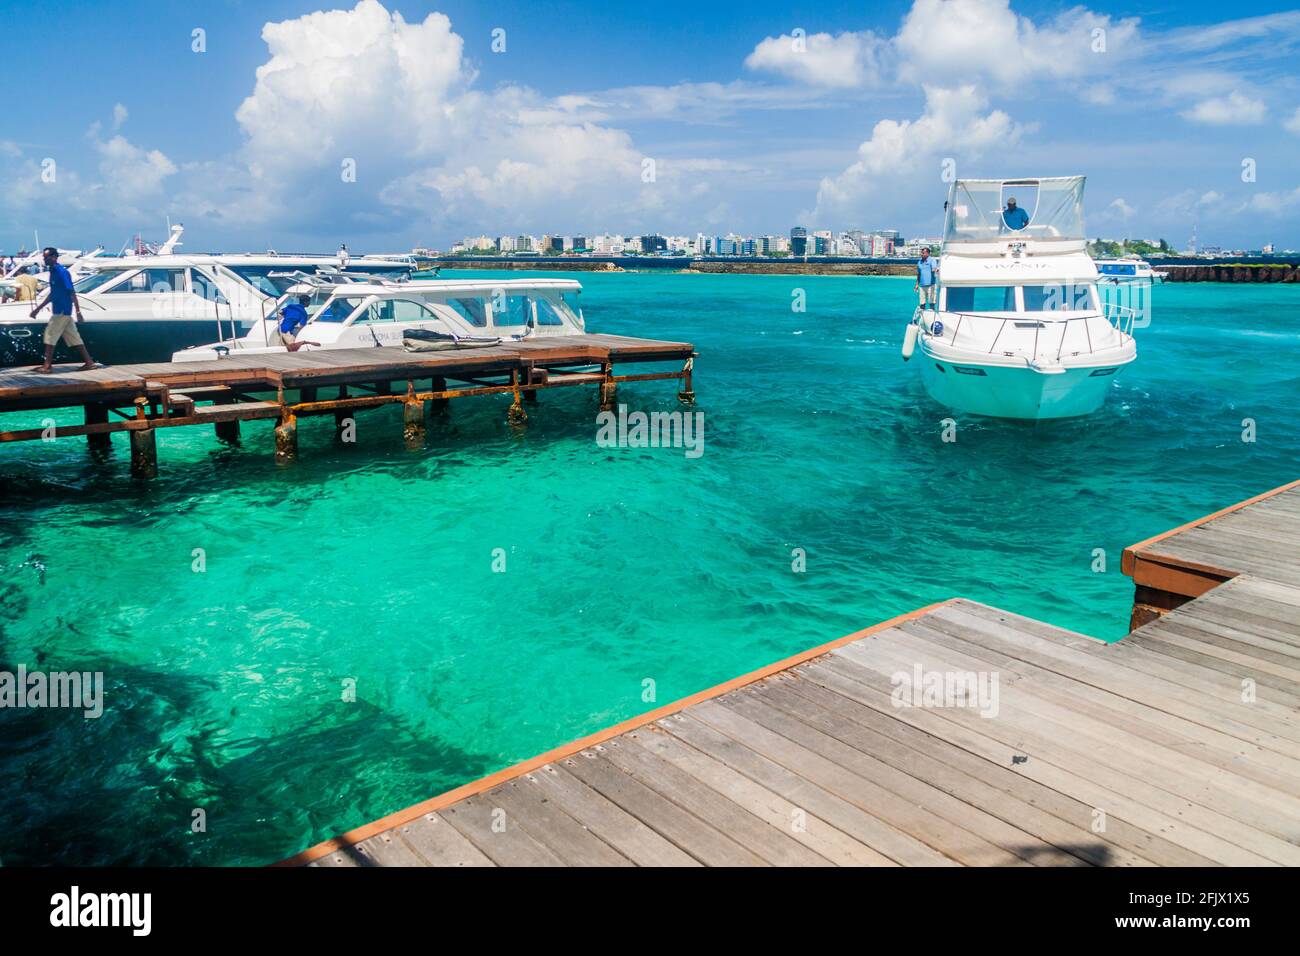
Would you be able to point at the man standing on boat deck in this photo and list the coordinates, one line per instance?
(62, 299)
(292, 318)
(1015, 217)
(927, 279)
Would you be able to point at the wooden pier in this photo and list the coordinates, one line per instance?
(140, 399)
(1177, 746)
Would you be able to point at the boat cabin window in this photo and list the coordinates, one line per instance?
(548, 314)
(154, 280)
(995, 298)
(97, 280)
(511, 310)
(570, 300)
(1067, 297)
(260, 278)
(407, 310)
(201, 284)
(339, 309)
(471, 310)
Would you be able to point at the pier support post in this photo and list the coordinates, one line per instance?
(516, 415)
(98, 415)
(345, 423)
(439, 405)
(286, 438)
(144, 453)
(687, 394)
(536, 376)
(608, 390)
(412, 418)
(228, 431)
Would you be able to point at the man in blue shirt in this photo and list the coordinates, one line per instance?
(927, 279)
(62, 299)
(1015, 217)
(292, 318)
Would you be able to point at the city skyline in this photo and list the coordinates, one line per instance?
(413, 123)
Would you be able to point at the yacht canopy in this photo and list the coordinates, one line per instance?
(975, 209)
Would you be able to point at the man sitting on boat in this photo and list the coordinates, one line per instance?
(1015, 217)
(292, 318)
(927, 279)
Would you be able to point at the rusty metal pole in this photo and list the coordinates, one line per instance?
(286, 437)
(412, 418)
(516, 415)
(144, 446)
(608, 388)
(687, 394)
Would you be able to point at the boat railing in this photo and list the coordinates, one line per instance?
(1119, 317)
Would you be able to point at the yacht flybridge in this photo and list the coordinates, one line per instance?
(143, 308)
(349, 312)
(1019, 330)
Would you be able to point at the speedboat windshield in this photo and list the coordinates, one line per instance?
(980, 210)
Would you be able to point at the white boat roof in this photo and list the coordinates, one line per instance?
(180, 260)
(486, 286)
(1026, 269)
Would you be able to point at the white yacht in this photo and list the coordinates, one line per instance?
(143, 308)
(349, 312)
(1128, 270)
(1019, 330)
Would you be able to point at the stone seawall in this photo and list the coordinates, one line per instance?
(1231, 273)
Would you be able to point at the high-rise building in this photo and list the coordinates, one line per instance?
(799, 241)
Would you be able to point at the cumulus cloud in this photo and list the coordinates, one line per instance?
(842, 60)
(1235, 109)
(1292, 125)
(985, 41)
(1273, 203)
(954, 123)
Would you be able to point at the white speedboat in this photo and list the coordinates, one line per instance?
(424, 315)
(1128, 270)
(143, 308)
(1019, 330)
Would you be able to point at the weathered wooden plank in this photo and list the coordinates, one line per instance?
(774, 845)
(837, 737)
(1123, 789)
(494, 832)
(688, 832)
(632, 838)
(810, 830)
(735, 717)
(549, 825)
(438, 843)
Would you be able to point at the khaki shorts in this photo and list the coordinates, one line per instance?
(287, 339)
(62, 326)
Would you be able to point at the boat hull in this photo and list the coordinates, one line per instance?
(113, 342)
(1002, 391)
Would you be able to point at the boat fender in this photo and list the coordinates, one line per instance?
(909, 340)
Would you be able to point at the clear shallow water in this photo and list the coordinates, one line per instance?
(372, 563)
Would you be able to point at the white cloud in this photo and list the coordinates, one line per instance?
(1120, 208)
(820, 59)
(1235, 109)
(119, 115)
(1292, 125)
(1273, 203)
(985, 41)
(954, 123)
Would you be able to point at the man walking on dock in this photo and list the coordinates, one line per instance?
(62, 299)
(927, 279)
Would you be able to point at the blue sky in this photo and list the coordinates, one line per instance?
(626, 117)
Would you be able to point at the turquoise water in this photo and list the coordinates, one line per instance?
(371, 563)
